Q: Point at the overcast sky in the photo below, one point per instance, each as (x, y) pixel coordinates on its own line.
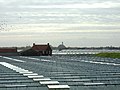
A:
(74, 22)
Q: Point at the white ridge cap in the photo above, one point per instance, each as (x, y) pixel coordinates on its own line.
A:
(42, 79)
(30, 74)
(25, 72)
(58, 86)
(49, 82)
(36, 76)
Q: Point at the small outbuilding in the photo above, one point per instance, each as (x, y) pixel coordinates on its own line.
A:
(8, 51)
(38, 50)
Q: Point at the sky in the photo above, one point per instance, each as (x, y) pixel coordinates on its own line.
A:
(81, 23)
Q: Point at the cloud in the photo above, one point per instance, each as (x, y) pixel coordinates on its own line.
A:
(77, 5)
(49, 11)
(73, 19)
(26, 29)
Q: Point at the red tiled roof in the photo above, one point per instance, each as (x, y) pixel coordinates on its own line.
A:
(8, 50)
(40, 47)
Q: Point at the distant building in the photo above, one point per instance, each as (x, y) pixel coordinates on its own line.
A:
(8, 51)
(37, 50)
(61, 46)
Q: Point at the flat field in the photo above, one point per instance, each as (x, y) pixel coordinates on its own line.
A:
(109, 55)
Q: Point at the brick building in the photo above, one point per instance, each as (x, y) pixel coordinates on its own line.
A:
(8, 51)
(38, 50)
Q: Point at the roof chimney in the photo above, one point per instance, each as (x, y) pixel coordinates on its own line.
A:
(48, 44)
(33, 44)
